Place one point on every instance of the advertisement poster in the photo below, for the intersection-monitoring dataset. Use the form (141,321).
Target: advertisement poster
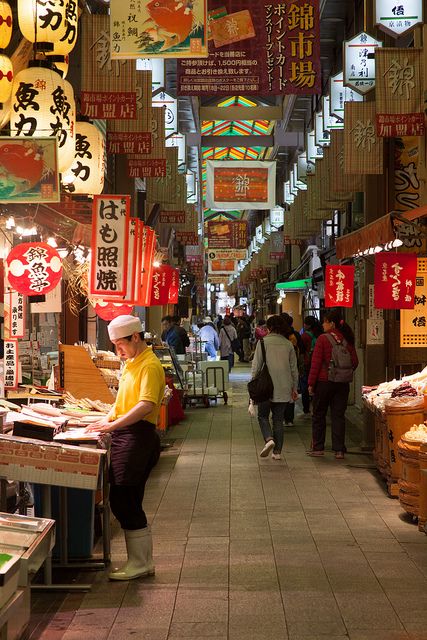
(227,235)
(395,275)
(244,185)
(222,266)
(166,29)
(339,285)
(29,170)
(263,47)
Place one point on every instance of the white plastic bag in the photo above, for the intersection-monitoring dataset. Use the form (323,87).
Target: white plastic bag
(252,409)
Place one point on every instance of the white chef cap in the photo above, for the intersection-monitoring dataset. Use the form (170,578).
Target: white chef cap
(123,326)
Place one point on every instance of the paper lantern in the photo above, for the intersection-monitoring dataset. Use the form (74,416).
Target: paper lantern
(34,268)
(86,174)
(66,44)
(67,139)
(6,78)
(110,310)
(60,65)
(6,24)
(42,22)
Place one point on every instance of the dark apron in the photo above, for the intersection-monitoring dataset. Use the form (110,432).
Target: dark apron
(135,450)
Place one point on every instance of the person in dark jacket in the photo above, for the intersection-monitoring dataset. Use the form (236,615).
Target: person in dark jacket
(181,332)
(171,336)
(308,337)
(327,393)
(295,338)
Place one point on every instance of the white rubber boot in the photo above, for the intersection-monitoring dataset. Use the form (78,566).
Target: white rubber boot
(139,545)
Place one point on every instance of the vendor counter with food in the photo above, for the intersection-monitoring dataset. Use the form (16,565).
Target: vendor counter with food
(400,411)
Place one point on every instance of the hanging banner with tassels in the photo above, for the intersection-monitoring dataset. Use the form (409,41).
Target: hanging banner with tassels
(399,92)
(339,285)
(363,149)
(395,279)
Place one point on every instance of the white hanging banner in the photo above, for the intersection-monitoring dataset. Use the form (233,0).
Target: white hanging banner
(313,152)
(359,62)
(321,137)
(340,94)
(302,167)
(330,121)
(397,18)
(157,68)
(17,315)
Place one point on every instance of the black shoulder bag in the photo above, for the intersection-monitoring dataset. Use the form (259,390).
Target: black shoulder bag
(235,343)
(261,387)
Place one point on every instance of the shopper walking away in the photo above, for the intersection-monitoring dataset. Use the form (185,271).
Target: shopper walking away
(226,336)
(282,365)
(244,333)
(333,363)
(183,335)
(135,444)
(171,336)
(295,338)
(209,337)
(308,338)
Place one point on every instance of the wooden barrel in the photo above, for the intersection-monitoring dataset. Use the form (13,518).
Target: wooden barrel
(422,512)
(409,481)
(402,414)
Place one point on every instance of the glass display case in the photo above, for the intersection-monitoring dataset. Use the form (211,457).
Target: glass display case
(167,357)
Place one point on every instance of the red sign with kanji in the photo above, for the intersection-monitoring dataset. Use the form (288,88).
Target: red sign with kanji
(129,142)
(172,217)
(399,125)
(174,287)
(34,268)
(146,168)
(160,285)
(108,105)
(263,47)
(339,285)
(395,279)
(227,235)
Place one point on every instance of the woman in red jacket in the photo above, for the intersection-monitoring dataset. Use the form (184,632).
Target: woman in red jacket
(327,393)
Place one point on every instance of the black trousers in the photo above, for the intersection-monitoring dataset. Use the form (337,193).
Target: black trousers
(333,395)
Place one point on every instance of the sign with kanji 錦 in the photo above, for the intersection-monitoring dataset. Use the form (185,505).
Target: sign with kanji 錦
(166,29)
(244,185)
(277,245)
(110,241)
(395,275)
(33,268)
(413,322)
(263,47)
(10,364)
(227,234)
(339,285)
(396,18)
(359,62)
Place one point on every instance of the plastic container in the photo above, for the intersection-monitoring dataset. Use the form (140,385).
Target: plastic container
(402,414)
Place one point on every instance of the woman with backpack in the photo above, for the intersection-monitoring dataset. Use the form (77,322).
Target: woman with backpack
(333,362)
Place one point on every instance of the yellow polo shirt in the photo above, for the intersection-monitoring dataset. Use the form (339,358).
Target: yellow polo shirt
(143,378)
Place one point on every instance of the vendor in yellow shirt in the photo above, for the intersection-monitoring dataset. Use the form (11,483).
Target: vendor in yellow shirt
(135,446)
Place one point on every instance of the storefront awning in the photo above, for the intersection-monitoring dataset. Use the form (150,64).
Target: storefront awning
(377,233)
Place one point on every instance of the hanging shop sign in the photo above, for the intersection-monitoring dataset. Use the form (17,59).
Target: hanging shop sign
(87,172)
(170,107)
(341,182)
(186,237)
(330,121)
(174,287)
(395,275)
(399,92)
(110,310)
(142,168)
(359,62)
(178,140)
(363,149)
(339,285)
(227,254)
(110,240)
(108,86)
(133,272)
(299,184)
(222,266)
(17,315)
(29,170)
(164,190)
(157,68)
(314,152)
(172,217)
(249,184)
(11,364)
(339,94)
(288,197)
(129,142)
(148,247)
(160,285)
(413,322)
(407,187)
(277,245)
(277,217)
(142,125)
(321,135)
(302,167)
(150,29)
(397,18)
(34,268)
(227,234)
(264,47)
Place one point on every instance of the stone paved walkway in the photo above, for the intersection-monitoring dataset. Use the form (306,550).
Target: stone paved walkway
(256,549)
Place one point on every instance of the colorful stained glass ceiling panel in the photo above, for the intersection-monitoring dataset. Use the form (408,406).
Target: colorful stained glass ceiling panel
(237,127)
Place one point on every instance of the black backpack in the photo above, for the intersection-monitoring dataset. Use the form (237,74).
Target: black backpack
(340,366)
(261,388)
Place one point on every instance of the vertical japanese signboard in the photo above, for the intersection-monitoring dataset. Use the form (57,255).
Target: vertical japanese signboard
(359,62)
(399,93)
(263,47)
(165,29)
(248,185)
(363,149)
(148,246)
(413,322)
(110,240)
(396,18)
(277,245)
(160,285)
(174,287)
(10,364)
(339,285)
(395,275)
(17,315)
(339,94)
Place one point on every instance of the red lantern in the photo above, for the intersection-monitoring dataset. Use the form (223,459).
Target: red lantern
(34,268)
(110,310)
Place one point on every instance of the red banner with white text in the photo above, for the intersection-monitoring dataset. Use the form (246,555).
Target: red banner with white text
(339,285)
(160,285)
(395,278)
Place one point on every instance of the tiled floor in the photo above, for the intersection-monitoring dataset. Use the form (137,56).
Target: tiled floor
(257,549)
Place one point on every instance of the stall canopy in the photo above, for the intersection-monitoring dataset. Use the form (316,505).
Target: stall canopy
(377,233)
